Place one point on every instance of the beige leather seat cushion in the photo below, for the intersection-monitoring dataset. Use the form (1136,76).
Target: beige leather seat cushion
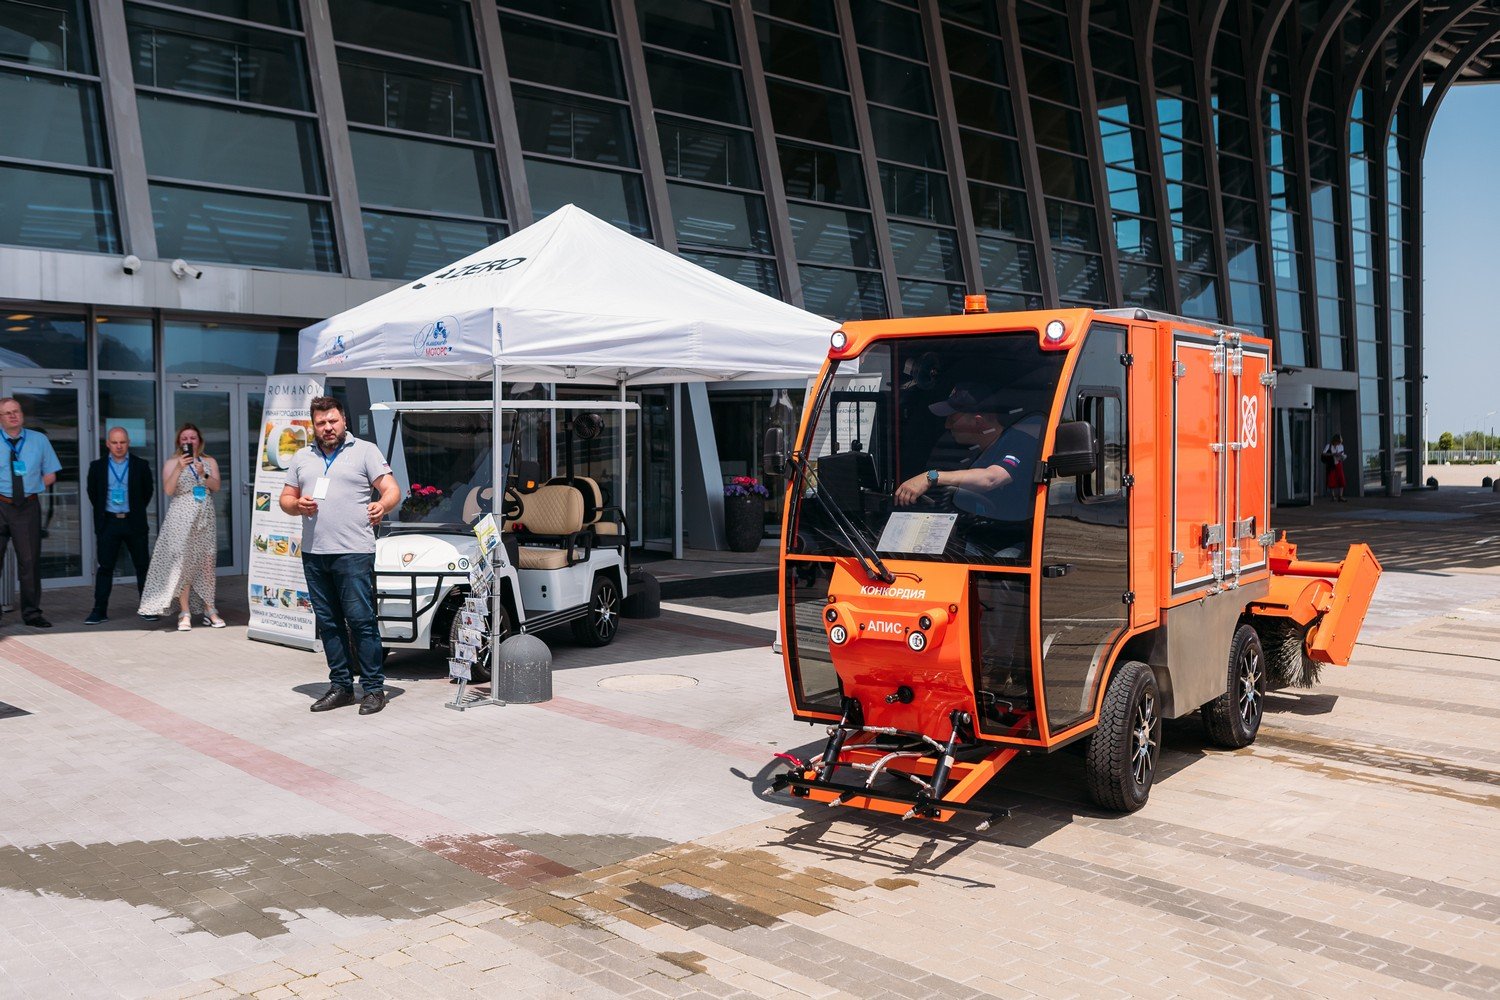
(533,557)
(553,510)
(606,528)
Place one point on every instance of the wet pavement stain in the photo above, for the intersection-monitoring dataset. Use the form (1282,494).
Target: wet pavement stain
(1373,777)
(1382,758)
(688,886)
(691,961)
(250,885)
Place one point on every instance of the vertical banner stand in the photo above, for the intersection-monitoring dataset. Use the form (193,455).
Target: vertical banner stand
(484,601)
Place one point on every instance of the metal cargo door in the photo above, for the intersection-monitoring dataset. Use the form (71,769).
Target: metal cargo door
(1250,378)
(1198,466)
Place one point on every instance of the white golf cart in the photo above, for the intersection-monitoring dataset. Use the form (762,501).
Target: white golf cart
(564,556)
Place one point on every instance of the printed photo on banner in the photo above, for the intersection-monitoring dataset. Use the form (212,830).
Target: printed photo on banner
(468,654)
(471,636)
(468,619)
(460,669)
(476,605)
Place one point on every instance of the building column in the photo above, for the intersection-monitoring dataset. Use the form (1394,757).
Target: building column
(333,129)
(122,125)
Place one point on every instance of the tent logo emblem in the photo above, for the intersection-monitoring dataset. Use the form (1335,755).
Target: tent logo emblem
(433,340)
(479,267)
(336,353)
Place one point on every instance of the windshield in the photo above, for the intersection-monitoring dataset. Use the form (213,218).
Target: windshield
(448,463)
(972,408)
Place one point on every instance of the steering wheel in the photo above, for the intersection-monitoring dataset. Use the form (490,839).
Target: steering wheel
(511,507)
(936,499)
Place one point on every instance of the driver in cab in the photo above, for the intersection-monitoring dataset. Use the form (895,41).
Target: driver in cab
(994,478)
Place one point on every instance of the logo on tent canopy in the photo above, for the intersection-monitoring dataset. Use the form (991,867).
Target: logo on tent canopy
(479,267)
(331,348)
(437,339)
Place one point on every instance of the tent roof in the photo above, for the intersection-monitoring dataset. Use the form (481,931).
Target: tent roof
(570,298)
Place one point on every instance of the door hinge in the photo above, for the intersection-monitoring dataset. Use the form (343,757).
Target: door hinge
(1128,597)
(1177,560)
(1179,370)
(1127,360)
(1268,379)
(1266,538)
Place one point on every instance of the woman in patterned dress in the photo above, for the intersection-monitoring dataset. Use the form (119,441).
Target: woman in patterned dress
(182,566)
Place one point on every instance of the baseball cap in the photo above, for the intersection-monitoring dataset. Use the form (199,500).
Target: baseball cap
(970,397)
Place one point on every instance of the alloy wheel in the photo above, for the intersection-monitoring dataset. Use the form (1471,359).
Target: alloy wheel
(1145,739)
(1251,676)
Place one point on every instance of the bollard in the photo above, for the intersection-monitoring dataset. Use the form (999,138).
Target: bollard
(1432,481)
(1487,482)
(1496,487)
(525,671)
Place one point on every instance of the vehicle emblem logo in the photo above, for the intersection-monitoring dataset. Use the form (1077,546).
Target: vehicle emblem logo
(1249,421)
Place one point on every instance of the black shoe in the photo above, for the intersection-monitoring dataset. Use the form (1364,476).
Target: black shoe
(150,618)
(37,621)
(96,618)
(374,702)
(335,697)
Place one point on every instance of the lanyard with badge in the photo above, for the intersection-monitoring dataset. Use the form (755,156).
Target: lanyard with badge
(320,488)
(117,489)
(200,492)
(17,466)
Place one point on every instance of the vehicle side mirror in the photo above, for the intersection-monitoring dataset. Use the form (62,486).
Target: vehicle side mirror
(773,452)
(1073,451)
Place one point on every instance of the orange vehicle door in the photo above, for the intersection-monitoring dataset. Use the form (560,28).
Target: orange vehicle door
(1198,480)
(1250,455)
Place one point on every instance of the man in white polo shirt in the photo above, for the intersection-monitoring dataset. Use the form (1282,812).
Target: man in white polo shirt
(342,488)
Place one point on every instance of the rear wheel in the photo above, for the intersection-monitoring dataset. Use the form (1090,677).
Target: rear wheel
(1120,763)
(599,625)
(1233,718)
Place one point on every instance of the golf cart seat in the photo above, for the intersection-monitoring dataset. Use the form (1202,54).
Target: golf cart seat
(551,535)
(605,532)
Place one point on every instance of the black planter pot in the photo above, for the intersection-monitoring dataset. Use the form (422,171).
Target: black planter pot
(744,522)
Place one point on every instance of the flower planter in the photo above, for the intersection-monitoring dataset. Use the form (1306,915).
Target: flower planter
(744,522)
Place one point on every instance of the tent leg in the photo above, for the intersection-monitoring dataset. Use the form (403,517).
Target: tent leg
(497,469)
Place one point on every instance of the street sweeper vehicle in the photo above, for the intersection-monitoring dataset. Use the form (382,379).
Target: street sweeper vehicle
(1005,533)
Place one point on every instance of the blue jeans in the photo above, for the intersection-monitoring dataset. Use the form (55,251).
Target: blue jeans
(342,588)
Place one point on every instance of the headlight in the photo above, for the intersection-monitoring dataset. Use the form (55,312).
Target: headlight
(831,615)
(838,635)
(917,641)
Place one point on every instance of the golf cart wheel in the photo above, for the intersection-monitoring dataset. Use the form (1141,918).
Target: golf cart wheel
(1233,718)
(1123,752)
(599,625)
(480,670)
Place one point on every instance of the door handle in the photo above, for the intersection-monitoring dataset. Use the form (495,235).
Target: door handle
(1056,570)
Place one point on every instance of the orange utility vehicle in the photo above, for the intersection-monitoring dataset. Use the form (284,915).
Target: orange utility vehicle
(1008,532)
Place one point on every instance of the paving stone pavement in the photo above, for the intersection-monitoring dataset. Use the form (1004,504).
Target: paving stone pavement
(174,823)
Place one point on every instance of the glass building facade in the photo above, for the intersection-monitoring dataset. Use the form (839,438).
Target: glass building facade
(1251,162)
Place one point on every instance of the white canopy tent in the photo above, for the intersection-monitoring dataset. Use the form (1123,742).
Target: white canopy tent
(570,300)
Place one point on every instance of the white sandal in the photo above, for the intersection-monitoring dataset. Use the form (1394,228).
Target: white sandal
(184,621)
(211,618)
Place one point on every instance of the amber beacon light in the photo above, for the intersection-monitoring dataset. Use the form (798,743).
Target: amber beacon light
(976,304)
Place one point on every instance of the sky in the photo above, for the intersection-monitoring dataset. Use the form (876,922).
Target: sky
(1461,262)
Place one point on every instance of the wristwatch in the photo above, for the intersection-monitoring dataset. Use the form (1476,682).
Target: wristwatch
(932,476)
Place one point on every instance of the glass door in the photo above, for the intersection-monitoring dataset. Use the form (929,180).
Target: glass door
(656,507)
(1294,458)
(228,416)
(54,405)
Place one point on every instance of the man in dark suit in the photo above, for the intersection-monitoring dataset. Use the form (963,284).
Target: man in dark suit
(120,487)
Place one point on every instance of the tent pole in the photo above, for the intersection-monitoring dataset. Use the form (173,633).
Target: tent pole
(625,477)
(497,508)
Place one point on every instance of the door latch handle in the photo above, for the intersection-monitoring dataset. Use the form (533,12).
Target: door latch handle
(1056,570)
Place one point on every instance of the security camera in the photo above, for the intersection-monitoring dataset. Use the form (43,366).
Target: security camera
(130,264)
(183,269)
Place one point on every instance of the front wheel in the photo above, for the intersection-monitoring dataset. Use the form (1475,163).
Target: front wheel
(479,670)
(1232,720)
(598,626)
(1123,752)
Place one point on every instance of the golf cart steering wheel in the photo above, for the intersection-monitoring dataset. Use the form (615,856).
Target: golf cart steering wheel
(511,507)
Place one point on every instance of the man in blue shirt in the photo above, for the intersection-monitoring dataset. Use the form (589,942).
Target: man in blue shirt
(28,466)
(120,487)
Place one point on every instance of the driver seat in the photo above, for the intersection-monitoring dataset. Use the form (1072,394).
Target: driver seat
(550,537)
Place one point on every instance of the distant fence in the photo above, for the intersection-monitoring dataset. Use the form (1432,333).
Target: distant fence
(1473,456)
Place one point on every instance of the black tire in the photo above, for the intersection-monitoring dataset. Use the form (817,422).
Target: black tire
(599,625)
(1122,756)
(1233,718)
(479,670)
